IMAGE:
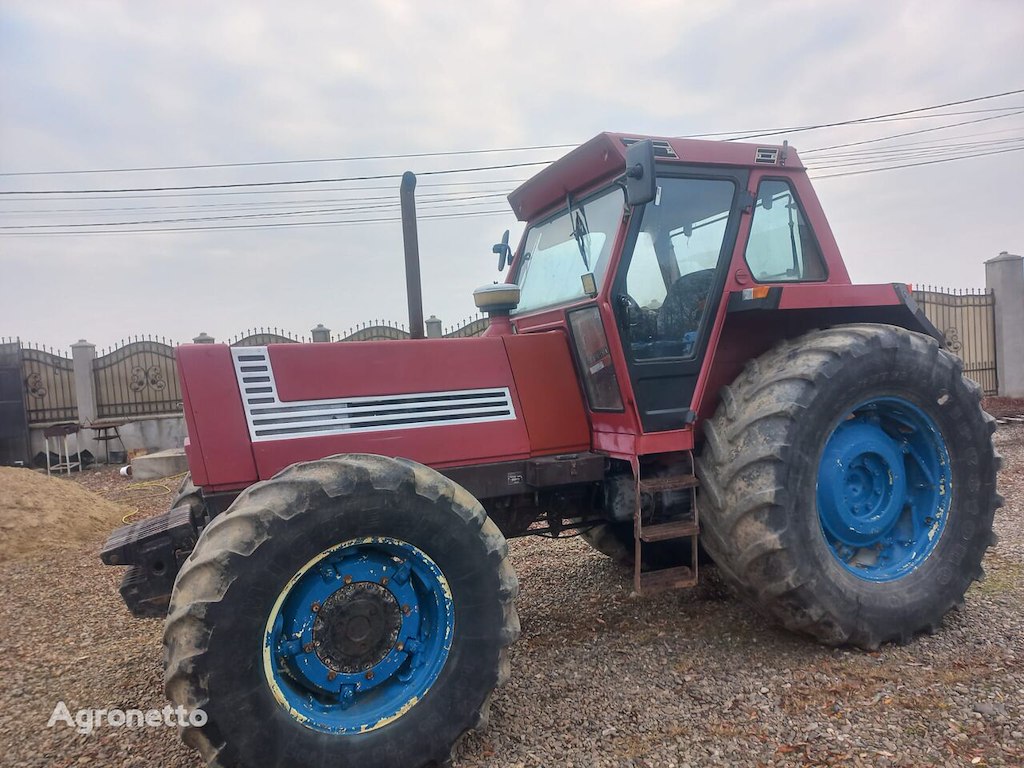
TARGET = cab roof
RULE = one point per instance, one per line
(604, 156)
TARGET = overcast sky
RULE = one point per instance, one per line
(113, 85)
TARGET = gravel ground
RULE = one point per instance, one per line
(599, 678)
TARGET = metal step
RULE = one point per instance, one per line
(677, 529)
(666, 578)
(668, 483)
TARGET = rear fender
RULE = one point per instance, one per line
(757, 319)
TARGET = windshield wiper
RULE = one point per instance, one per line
(580, 230)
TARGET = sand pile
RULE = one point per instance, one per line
(40, 514)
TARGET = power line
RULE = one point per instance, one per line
(428, 198)
(800, 129)
(374, 177)
(406, 156)
(343, 222)
(910, 133)
(912, 144)
(777, 131)
(914, 165)
(794, 129)
(282, 191)
(887, 155)
(310, 212)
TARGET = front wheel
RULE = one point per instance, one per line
(353, 611)
(849, 484)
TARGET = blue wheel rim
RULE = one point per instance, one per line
(358, 635)
(884, 488)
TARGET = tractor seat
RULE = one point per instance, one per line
(683, 308)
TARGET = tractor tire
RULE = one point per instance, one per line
(615, 540)
(849, 484)
(351, 611)
(187, 493)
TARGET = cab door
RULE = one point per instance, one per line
(669, 284)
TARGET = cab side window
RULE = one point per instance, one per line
(781, 247)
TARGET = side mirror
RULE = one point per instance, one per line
(503, 250)
(641, 184)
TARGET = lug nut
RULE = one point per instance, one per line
(369, 674)
(400, 646)
(384, 580)
(331, 675)
(348, 579)
(307, 648)
(406, 610)
(314, 607)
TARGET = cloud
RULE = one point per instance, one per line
(121, 84)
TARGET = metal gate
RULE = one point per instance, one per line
(14, 445)
(967, 320)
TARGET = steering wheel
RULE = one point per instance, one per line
(631, 310)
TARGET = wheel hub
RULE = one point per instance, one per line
(357, 627)
(883, 488)
(359, 635)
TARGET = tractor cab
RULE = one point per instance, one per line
(640, 266)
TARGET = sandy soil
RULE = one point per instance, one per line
(40, 514)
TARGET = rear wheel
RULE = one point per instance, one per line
(848, 484)
(356, 608)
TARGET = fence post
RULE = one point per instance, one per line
(434, 327)
(82, 356)
(203, 338)
(320, 333)
(1004, 276)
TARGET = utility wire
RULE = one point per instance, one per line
(914, 165)
(291, 190)
(915, 154)
(470, 214)
(355, 158)
(879, 117)
(795, 129)
(910, 133)
(402, 156)
(375, 177)
(312, 212)
(441, 197)
(914, 144)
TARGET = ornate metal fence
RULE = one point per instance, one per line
(472, 326)
(49, 380)
(967, 319)
(377, 330)
(258, 337)
(137, 378)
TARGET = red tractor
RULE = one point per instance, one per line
(677, 334)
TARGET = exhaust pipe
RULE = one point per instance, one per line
(413, 286)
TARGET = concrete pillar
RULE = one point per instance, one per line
(82, 355)
(202, 338)
(1004, 276)
(320, 334)
(434, 327)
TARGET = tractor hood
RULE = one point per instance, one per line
(251, 411)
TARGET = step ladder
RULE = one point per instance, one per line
(678, 577)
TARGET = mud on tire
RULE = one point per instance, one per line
(247, 559)
(759, 469)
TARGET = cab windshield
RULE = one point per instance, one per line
(560, 251)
